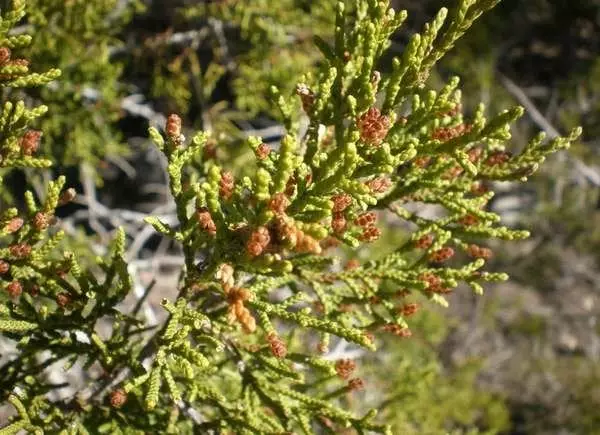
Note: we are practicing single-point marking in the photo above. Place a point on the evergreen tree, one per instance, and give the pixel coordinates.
(262, 297)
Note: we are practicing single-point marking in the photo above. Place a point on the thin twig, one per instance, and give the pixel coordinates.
(590, 173)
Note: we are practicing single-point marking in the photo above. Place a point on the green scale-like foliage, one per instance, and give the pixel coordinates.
(86, 102)
(245, 47)
(260, 299)
(17, 151)
(276, 43)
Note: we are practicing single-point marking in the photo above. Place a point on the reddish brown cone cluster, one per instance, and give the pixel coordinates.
(41, 221)
(478, 188)
(322, 347)
(434, 283)
(373, 126)
(278, 347)
(474, 154)
(352, 264)
(422, 162)
(338, 223)
(366, 219)
(379, 184)
(341, 202)
(226, 185)
(14, 225)
(408, 309)
(397, 330)
(356, 384)
(367, 222)
(424, 242)
(444, 134)
(468, 220)
(476, 251)
(370, 234)
(263, 151)
(4, 55)
(369, 337)
(173, 127)
(453, 173)
(498, 158)
(118, 398)
(258, 241)
(307, 244)
(329, 242)
(288, 234)
(290, 186)
(20, 250)
(236, 297)
(30, 142)
(4, 267)
(344, 368)
(279, 203)
(441, 255)
(14, 289)
(206, 222)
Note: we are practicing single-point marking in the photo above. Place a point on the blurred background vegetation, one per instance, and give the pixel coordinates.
(525, 357)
